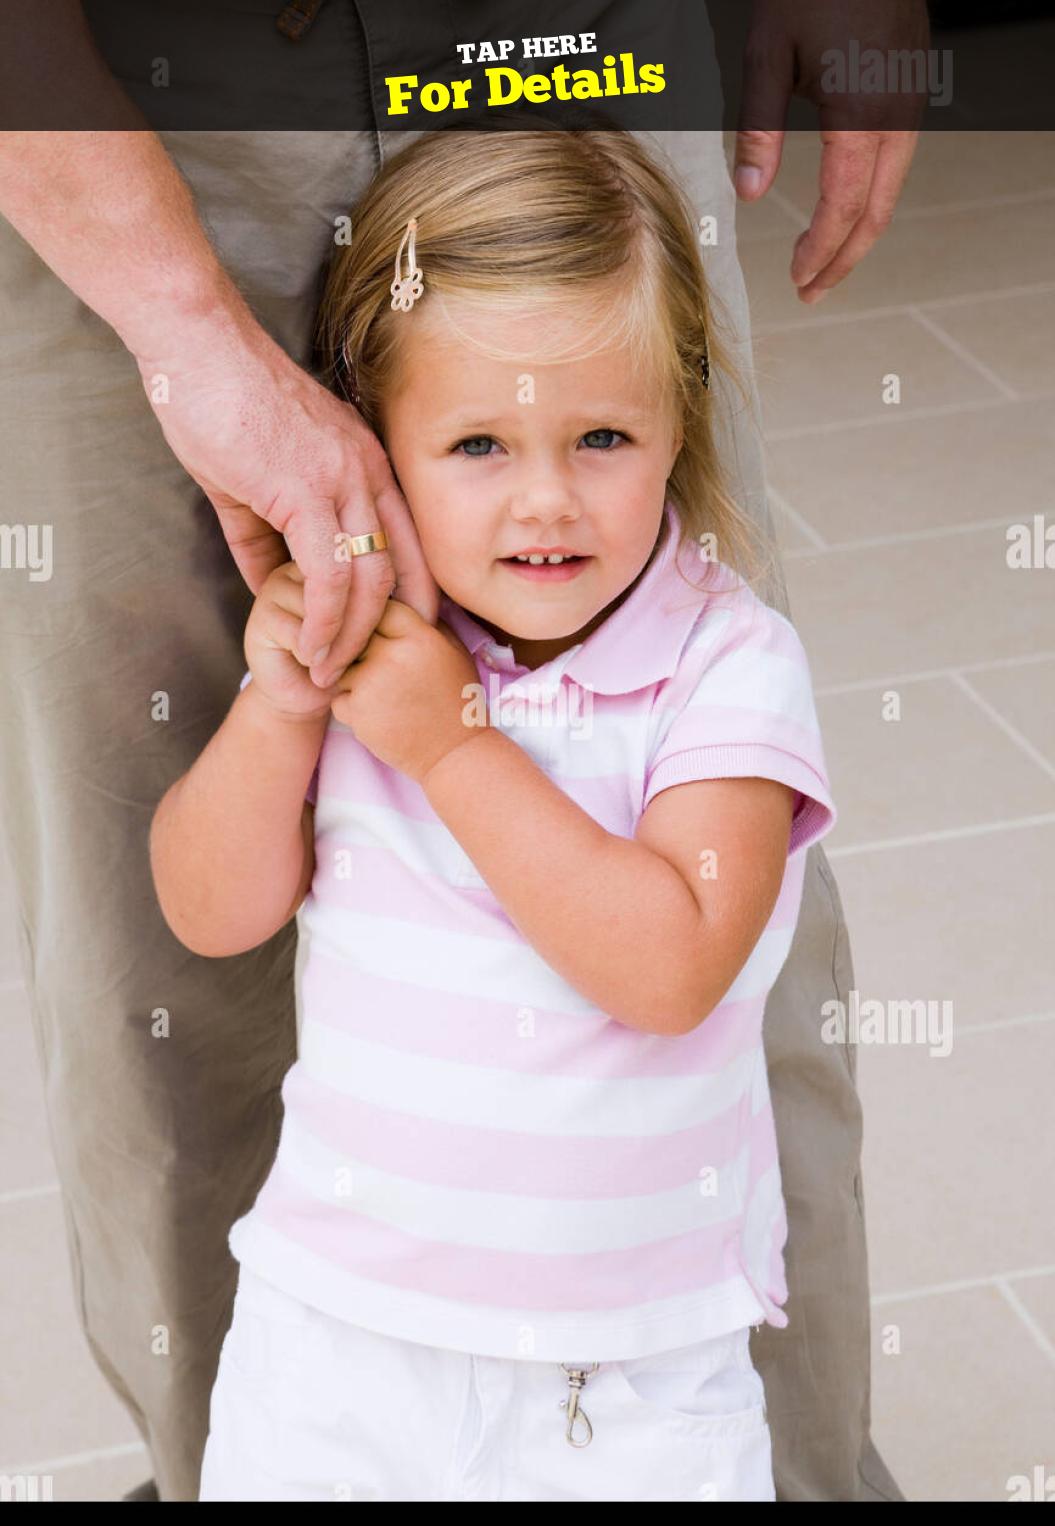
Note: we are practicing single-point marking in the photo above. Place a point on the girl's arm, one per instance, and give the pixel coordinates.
(232, 841)
(631, 923)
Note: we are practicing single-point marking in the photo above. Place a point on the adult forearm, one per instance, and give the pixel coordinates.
(96, 195)
(609, 915)
(52, 75)
(230, 846)
(111, 215)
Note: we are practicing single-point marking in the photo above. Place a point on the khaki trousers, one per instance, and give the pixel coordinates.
(161, 1142)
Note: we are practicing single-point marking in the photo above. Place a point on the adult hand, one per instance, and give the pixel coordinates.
(868, 138)
(276, 454)
(289, 469)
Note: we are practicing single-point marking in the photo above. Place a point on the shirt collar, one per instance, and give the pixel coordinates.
(640, 642)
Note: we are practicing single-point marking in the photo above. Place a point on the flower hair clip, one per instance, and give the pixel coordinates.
(406, 289)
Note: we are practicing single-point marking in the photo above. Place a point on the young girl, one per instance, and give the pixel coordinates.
(526, 1203)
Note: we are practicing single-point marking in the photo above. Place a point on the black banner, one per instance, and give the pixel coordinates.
(413, 65)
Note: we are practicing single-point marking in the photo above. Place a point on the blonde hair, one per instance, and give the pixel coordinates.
(584, 219)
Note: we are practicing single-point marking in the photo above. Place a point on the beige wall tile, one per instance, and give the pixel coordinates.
(968, 1401)
(1023, 696)
(948, 168)
(822, 376)
(931, 770)
(919, 259)
(966, 920)
(1013, 335)
(917, 605)
(900, 474)
(56, 1401)
(959, 1150)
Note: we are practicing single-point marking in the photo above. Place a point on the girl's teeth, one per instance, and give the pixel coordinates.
(537, 560)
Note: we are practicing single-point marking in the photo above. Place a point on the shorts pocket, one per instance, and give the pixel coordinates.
(685, 1425)
(711, 1387)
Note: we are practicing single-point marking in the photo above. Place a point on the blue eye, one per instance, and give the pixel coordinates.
(478, 439)
(608, 436)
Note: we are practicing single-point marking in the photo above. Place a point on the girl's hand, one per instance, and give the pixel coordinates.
(403, 697)
(272, 635)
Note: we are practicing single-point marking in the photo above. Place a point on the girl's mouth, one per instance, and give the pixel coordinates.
(548, 572)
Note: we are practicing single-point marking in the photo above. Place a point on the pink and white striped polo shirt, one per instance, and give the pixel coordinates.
(473, 1155)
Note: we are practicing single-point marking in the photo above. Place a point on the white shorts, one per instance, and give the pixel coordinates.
(308, 1407)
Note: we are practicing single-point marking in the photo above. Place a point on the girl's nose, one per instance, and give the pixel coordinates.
(545, 500)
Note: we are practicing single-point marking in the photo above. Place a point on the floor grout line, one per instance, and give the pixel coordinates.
(962, 353)
(1042, 1340)
(890, 416)
(944, 834)
(903, 214)
(25, 1194)
(794, 518)
(927, 675)
(892, 309)
(961, 1285)
(72, 1460)
(905, 537)
(790, 209)
(999, 1023)
(1016, 736)
(975, 204)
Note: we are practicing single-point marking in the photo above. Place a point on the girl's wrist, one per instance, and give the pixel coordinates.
(262, 708)
(435, 775)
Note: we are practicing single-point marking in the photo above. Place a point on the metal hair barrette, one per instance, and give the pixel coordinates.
(350, 381)
(705, 367)
(406, 289)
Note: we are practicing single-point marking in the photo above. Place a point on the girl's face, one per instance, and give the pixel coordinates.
(497, 457)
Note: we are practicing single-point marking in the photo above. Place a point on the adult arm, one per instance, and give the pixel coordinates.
(277, 454)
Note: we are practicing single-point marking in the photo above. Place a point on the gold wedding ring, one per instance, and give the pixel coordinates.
(359, 545)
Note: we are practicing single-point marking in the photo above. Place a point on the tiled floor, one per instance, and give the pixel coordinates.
(893, 521)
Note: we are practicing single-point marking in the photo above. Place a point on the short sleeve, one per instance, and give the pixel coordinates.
(312, 791)
(740, 704)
